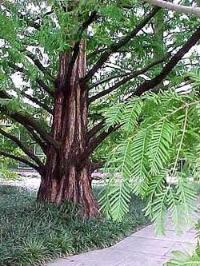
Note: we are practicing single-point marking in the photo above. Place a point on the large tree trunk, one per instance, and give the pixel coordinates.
(67, 174)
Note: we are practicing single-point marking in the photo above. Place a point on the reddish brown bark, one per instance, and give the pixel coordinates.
(67, 174)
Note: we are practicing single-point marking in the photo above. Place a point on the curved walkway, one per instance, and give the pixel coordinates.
(142, 248)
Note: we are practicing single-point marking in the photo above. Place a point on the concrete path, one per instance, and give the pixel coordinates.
(142, 248)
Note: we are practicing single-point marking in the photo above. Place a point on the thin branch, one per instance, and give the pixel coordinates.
(107, 79)
(116, 46)
(25, 149)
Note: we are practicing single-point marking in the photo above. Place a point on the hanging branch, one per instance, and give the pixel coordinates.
(113, 48)
(181, 141)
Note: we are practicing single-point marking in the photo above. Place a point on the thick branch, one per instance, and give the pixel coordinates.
(95, 129)
(188, 10)
(25, 149)
(96, 141)
(37, 63)
(116, 46)
(31, 131)
(150, 84)
(20, 159)
(126, 79)
(28, 122)
(45, 87)
(36, 137)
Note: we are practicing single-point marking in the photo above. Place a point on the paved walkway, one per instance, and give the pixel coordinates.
(142, 248)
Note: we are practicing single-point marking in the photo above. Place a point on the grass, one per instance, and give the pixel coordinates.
(31, 233)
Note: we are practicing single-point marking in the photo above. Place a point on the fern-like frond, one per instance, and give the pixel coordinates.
(159, 211)
(130, 114)
(124, 159)
(176, 210)
(159, 146)
(140, 162)
(114, 114)
(115, 199)
(119, 200)
(187, 197)
(157, 200)
(157, 133)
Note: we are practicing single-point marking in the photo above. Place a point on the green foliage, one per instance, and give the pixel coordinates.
(31, 233)
(7, 173)
(159, 145)
(184, 259)
(164, 131)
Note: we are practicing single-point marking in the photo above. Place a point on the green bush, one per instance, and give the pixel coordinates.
(32, 233)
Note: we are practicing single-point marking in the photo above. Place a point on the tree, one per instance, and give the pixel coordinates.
(47, 44)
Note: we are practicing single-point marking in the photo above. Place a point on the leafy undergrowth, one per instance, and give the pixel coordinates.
(31, 233)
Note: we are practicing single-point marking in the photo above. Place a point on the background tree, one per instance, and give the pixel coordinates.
(77, 59)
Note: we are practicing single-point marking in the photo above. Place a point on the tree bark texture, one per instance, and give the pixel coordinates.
(67, 173)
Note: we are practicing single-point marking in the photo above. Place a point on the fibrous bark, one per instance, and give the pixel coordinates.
(67, 174)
